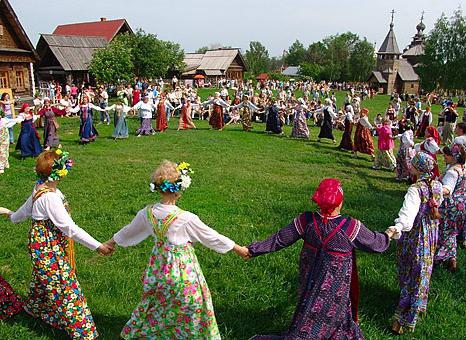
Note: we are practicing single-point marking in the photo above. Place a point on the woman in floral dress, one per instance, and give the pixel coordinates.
(328, 286)
(417, 230)
(176, 301)
(453, 207)
(300, 129)
(362, 137)
(55, 295)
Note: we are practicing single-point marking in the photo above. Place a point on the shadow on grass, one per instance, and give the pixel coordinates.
(36, 326)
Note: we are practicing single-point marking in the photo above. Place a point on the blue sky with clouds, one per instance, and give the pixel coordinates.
(275, 23)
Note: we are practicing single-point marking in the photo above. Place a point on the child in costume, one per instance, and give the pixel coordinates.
(176, 301)
(328, 286)
(431, 146)
(417, 230)
(405, 154)
(55, 295)
(5, 125)
(385, 143)
(28, 140)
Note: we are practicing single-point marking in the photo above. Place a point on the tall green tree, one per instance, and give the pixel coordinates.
(361, 61)
(296, 54)
(444, 60)
(257, 58)
(113, 64)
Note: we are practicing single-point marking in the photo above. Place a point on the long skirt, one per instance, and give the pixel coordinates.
(161, 121)
(415, 257)
(346, 142)
(300, 129)
(87, 130)
(146, 127)
(246, 121)
(326, 130)
(121, 127)
(403, 162)
(176, 301)
(452, 223)
(274, 124)
(421, 131)
(51, 139)
(385, 159)
(4, 148)
(55, 295)
(10, 302)
(185, 122)
(28, 140)
(363, 140)
(216, 119)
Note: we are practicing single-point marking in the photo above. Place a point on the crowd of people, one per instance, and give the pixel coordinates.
(176, 301)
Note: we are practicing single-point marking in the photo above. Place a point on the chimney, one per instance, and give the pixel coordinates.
(103, 19)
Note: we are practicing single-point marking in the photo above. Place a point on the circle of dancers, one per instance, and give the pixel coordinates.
(176, 302)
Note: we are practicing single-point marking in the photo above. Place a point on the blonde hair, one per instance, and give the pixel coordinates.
(166, 171)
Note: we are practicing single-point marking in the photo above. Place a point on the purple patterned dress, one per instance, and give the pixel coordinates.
(300, 129)
(453, 219)
(324, 308)
(415, 256)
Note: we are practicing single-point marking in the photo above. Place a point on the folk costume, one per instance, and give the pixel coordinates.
(5, 125)
(300, 128)
(49, 114)
(10, 302)
(176, 301)
(405, 155)
(362, 137)
(55, 295)
(453, 209)
(87, 131)
(273, 124)
(216, 118)
(431, 146)
(120, 110)
(145, 109)
(385, 158)
(418, 226)
(328, 288)
(326, 129)
(246, 108)
(425, 121)
(186, 122)
(346, 141)
(28, 140)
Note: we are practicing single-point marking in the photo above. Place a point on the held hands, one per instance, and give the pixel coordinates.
(392, 232)
(242, 251)
(107, 248)
(5, 212)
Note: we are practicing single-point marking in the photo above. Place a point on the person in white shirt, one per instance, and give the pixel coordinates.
(417, 229)
(51, 251)
(173, 268)
(5, 124)
(103, 103)
(145, 108)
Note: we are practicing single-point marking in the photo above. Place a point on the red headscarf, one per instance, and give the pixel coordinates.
(328, 196)
(24, 108)
(364, 111)
(433, 133)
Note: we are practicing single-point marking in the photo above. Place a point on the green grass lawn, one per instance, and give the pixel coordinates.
(247, 186)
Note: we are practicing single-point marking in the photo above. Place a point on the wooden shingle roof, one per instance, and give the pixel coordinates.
(74, 53)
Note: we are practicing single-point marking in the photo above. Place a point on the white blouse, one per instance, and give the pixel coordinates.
(406, 138)
(364, 121)
(449, 179)
(430, 145)
(77, 108)
(145, 109)
(50, 207)
(408, 211)
(187, 227)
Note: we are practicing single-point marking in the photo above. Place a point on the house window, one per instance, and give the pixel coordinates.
(1, 30)
(20, 79)
(4, 80)
(412, 86)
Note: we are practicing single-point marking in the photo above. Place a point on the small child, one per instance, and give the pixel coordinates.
(176, 300)
(385, 157)
(5, 125)
(405, 155)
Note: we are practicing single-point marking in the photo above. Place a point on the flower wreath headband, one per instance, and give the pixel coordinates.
(182, 183)
(60, 167)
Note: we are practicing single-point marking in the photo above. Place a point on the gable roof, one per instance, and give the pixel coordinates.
(378, 75)
(414, 51)
(389, 45)
(13, 20)
(103, 28)
(291, 71)
(213, 62)
(406, 71)
(74, 53)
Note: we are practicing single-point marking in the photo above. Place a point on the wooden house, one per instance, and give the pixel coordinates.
(17, 54)
(108, 29)
(215, 64)
(66, 58)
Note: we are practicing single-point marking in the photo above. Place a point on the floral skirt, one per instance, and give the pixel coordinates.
(385, 159)
(415, 257)
(55, 295)
(10, 303)
(146, 127)
(176, 301)
(4, 156)
(452, 223)
(403, 162)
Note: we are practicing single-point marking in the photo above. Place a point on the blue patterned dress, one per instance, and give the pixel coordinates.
(325, 309)
(415, 257)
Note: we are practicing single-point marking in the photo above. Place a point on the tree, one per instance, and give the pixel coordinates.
(296, 54)
(444, 59)
(317, 53)
(361, 61)
(113, 64)
(311, 70)
(257, 58)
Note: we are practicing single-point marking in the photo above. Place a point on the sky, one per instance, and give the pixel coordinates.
(275, 23)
